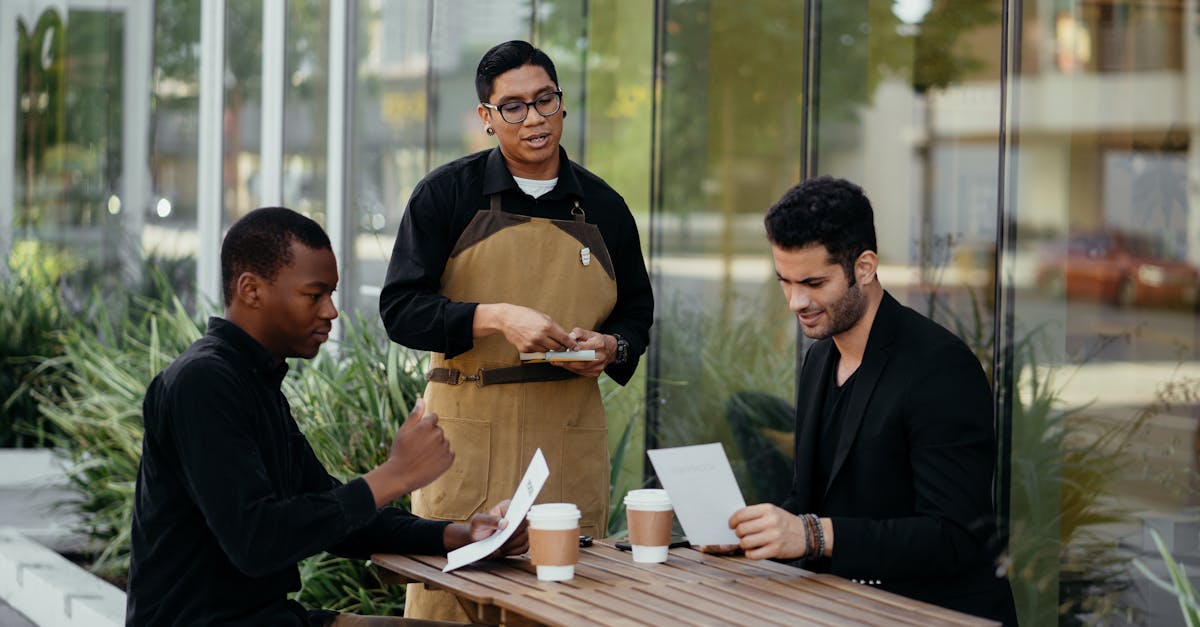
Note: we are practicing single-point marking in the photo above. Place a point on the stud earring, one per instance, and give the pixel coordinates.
(564, 114)
(490, 131)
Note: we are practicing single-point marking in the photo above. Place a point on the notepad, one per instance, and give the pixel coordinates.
(588, 355)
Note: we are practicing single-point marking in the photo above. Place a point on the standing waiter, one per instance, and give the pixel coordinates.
(517, 249)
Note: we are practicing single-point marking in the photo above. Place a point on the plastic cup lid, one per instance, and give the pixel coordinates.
(647, 497)
(553, 511)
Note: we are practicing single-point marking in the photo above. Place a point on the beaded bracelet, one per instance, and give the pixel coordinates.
(810, 536)
(820, 533)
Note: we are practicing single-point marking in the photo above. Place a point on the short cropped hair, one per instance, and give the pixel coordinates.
(261, 242)
(832, 212)
(509, 55)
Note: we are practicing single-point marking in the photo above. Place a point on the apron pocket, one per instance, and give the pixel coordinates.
(586, 483)
(462, 490)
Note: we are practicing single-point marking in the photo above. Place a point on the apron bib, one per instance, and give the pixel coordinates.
(561, 268)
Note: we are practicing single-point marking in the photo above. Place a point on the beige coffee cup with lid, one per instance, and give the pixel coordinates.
(554, 540)
(650, 515)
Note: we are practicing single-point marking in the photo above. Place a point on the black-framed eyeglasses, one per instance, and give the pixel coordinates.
(515, 111)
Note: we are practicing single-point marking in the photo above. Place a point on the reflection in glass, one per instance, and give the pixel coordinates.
(68, 155)
(243, 91)
(1099, 255)
(305, 109)
(724, 362)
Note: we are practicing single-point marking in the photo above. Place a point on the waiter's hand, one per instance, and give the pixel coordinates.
(529, 330)
(419, 454)
(604, 345)
(767, 531)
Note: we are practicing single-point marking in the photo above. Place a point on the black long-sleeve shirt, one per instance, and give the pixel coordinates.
(230, 496)
(443, 203)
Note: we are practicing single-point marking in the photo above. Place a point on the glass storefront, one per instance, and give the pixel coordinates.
(1034, 167)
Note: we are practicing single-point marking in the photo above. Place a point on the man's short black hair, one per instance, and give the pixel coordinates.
(261, 242)
(832, 212)
(509, 55)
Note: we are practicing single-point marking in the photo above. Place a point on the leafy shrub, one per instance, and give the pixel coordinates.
(31, 314)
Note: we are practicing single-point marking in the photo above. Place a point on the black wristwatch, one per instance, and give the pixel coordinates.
(622, 350)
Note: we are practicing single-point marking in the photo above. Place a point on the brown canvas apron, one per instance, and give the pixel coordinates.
(494, 429)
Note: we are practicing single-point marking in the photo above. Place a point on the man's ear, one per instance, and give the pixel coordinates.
(866, 266)
(484, 118)
(246, 289)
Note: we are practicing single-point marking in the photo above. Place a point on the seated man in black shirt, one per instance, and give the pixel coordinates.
(230, 496)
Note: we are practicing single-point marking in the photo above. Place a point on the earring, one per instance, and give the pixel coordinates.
(564, 114)
(490, 131)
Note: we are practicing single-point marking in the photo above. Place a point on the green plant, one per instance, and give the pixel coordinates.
(346, 585)
(710, 363)
(95, 403)
(31, 314)
(1062, 471)
(1179, 585)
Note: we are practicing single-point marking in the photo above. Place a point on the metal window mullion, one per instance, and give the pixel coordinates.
(270, 173)
(1191, 78)
(135, 133)
(8, 132)
(209, 204)
(337, 203)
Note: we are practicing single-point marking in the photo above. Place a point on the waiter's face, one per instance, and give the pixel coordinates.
(818, 291)
(530, 146)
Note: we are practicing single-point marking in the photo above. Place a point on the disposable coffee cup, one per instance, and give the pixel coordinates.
(554, 540)
(649, 515)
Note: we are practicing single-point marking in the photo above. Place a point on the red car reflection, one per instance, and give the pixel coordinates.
(1120, 268)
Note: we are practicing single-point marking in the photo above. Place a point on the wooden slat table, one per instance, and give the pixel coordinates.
(691, 588)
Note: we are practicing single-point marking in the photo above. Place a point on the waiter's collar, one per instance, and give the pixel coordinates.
(254, 354)
(497, 178)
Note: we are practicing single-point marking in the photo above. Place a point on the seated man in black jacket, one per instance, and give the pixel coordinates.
(230, 496)
(895, 442)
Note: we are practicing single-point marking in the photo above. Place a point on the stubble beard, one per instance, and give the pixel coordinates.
(843, 314)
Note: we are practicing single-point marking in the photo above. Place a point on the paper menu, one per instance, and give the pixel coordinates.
(531, 484)
(703, 490)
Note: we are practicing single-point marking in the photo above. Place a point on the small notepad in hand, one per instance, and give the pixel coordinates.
(588, 355)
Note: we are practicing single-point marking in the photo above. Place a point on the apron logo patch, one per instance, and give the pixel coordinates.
(585, 255)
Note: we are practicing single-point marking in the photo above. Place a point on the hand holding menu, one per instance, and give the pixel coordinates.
(522, 500)
(703, 491)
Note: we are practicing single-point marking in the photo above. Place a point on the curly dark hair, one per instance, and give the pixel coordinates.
(509, 55)
(828, 211)
(261, 242)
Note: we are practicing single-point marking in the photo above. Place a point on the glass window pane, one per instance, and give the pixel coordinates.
(388, 142)
(243, 93)
(68, 154)
(1105, 291)
(730, 145)
(415, 109)
(306, 107)
(171, 214)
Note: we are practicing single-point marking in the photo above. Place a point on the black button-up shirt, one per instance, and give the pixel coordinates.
(442, 205)
(230, 496)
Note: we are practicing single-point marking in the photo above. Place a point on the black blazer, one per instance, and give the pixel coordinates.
(910, 493)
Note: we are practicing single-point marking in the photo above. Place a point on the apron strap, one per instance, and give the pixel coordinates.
(529, 373)
(495, 200)
(577, 211)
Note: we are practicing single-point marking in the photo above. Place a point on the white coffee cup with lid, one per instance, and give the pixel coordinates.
(554, 540)
(650, 516)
